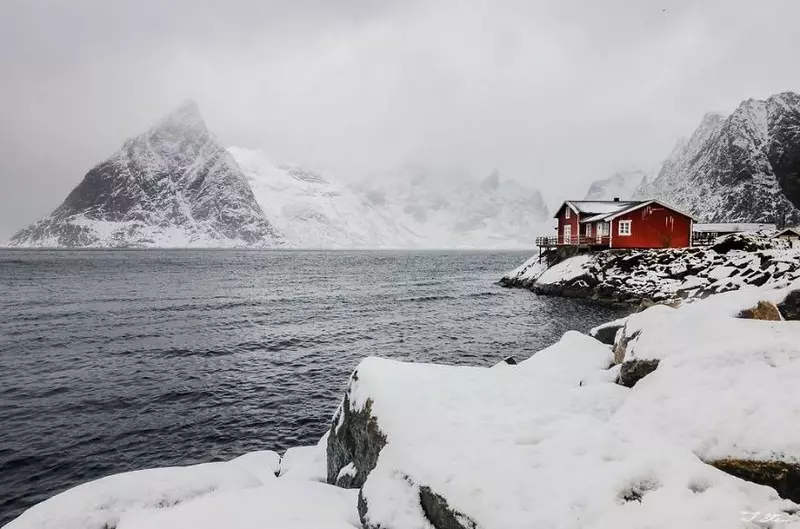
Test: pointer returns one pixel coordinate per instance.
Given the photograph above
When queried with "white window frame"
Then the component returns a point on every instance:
(567, 212)
(567, 236)
(588, 230)
(625, 228)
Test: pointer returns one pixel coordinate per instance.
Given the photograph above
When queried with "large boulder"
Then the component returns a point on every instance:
(464, 448)
(782, 476)
(354, 442)
(634, 370)
(790, 306)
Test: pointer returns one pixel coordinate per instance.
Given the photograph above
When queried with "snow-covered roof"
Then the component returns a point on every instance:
(731, 227)
(627, 207)
(789, 231)
(595, 207)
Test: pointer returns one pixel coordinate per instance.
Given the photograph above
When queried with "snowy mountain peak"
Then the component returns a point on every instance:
(173, 185)
(741, 168)
(492, 181)
(621, 184)
(186, 116)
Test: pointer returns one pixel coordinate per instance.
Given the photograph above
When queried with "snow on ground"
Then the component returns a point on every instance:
(102, 503)
(594, 454)
(278, 504)
(307, 463)
(109, 234)
(243, 493)
(529, 271)
(732, 382)
(566, 270)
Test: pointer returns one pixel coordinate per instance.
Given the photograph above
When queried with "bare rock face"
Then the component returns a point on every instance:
(355, 439)
(173, 185)
(633, 371)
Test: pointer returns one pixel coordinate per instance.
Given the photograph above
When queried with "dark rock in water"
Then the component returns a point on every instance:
(764, 310)
(790, 307)
(783, 477)
(356, 438)
(633, 371)
(172, 185)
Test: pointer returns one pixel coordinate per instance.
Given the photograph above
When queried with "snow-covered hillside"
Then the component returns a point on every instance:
(408, 208)
(312, 210)
(740, 168)
(622, 185)
(173, 186)
(456, 211)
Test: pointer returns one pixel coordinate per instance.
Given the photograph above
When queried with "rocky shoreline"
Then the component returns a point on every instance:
(627, 277)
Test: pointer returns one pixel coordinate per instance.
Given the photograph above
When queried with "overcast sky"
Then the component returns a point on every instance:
(555, 93)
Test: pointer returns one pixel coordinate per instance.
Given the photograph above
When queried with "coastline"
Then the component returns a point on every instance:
(629, 277)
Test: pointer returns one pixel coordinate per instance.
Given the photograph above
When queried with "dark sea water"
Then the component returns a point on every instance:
(120, 360)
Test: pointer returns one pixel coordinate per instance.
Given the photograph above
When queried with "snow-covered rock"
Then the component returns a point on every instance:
(103, 503)
(306, 463)
(622, 185)
(663, 275)
(739, 168)
(173, 186)
(243, 493)
(279, 504)
(554, 442)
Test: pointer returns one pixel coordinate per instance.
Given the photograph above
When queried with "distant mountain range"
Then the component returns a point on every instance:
(176, 186)
(744, 167)
(622, 185)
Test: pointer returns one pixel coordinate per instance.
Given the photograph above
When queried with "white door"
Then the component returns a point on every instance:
(567, 234)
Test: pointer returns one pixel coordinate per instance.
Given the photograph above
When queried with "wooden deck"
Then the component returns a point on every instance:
(579, 241)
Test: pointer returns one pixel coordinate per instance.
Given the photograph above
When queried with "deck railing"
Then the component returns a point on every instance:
(577, 240)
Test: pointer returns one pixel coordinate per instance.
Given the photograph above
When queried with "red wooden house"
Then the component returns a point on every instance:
(620, 224)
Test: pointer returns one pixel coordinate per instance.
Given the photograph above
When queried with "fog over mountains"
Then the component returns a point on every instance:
(176, 186)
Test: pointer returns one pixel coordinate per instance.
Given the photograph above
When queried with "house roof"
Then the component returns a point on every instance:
(639, 205)
(595, 207)
(731, 227)
(788, 231)
(607, 210)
